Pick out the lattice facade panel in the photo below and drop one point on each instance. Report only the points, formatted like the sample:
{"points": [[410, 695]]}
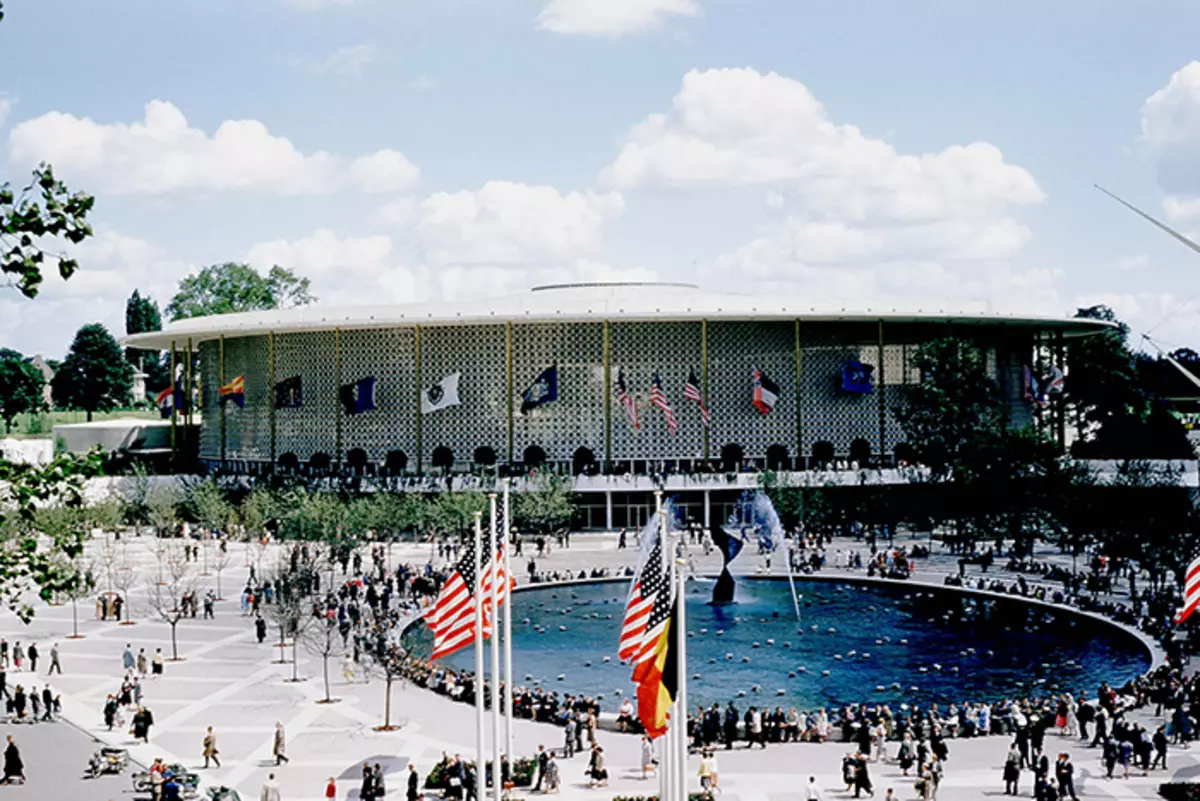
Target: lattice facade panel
{"points": [[640, 349], [479, 352], [734, 350], [828, 412], [210, 422], [576, 419], [312, 428], [387, 355], [248, 430]]}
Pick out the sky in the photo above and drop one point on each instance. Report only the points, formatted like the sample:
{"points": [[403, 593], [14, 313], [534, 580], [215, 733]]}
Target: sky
{"points": [[865, 154]]}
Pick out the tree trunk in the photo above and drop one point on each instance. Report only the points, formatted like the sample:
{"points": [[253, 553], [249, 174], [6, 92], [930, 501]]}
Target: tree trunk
{"points": [[89, 415], [325, 673], [174, 643], [387, 704], [295, 661]]}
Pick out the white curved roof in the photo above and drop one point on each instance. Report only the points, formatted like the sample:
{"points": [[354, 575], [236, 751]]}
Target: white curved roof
{"points": [[575, 303]]}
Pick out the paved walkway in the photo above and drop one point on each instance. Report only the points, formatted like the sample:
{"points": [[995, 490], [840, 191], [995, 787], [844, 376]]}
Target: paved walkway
{"points": [[229, 681]]}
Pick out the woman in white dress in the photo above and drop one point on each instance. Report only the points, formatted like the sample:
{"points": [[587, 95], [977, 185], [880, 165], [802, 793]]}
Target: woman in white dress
{"points": [[649, 763]]}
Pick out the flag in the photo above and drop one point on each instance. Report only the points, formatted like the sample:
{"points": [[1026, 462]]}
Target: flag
{"points": [[1057, 380], [358, 397], [658, 399], [621, 390], [441, 395], [452, 616], [289, 393], [543, 390], [1191, 592], [165, 403], [1035, 392], [234, 391], [653, 672], [638, 605], [691, 392], [766, 392], [856, 377]]}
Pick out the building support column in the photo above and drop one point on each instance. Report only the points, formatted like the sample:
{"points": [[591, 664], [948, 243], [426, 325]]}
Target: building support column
{"points": [[704, 384], [508, 346], [608, 517], [176, 391], [608, 454], [189, 393], [420, 394], [799, 410], [271, 404], [1060, 401], [221, 383], [707, 509], [882, 401], [337, 418]]}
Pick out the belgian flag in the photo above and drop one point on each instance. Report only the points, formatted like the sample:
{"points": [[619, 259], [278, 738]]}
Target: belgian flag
{"points": [[656, 672]]}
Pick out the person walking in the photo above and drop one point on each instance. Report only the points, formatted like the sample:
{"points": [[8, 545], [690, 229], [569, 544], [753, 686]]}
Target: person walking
{"points": [[33, 657], [377, 778], [143, 719], [812, 790], [18, 656], [1064, 771], [14, 766], [143, 664], [862, 776], [414, 784], [1012, 771], [127, 660], [157, 664], [47, 703], [1160, 748], [279, 746], [270, 790], [210, 748], [649, 763], [366, 790], [54, 663]]}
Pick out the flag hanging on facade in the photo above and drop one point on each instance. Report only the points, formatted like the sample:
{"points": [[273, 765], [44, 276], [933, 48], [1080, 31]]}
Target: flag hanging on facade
{"points": [[658, 399], [543, 390], [856, 377], [1191, 592], [289, 393], [691, 392], [165, 402], [656, 683], [234, 391], [1035, 390], [358, 397], [441, 395], [1057, 381], [766, 392], [627, 401]]}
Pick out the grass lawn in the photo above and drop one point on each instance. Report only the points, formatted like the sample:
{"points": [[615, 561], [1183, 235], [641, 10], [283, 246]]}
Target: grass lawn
{"points": [[41, 426]]}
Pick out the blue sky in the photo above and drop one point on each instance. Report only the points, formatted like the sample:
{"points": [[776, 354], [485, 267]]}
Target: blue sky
{"points": [[873, 154]]}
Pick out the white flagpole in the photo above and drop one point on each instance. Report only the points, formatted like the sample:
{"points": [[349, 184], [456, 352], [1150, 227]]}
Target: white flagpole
{"points": [[681, 674], [480, 683], [508, 613], [665, 752], [493, 542]]}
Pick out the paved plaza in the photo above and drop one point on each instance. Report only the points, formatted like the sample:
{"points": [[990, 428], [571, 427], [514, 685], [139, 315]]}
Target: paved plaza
{"points": [[227, 680]]}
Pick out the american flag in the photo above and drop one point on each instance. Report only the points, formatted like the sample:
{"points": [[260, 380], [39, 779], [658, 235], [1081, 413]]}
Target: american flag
{"points": [[641, 603], [691, 392], [1191, 592], [452, 616], [621, 390], [658, 399]]}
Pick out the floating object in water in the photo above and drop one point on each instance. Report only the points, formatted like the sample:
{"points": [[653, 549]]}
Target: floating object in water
{"points": [[525, 622], [704, 631], [741, 694], [970, 650], [695, 675], [745, 659], [787, 644], [528, 677], [737, 620], [712, 661], [720, 632], [801, 669], [954, 669], [879, 688], [851, 652], [831, 630], [587, 664], [729, 656], [791, 674], [895, 685], [562, 628], [781, 691], [753, 645], [618, 692], [824, 672], [914, 689], [600, 697], [814, 628], [936, 666], [756, 688], [904, 642], [837, 657], [865, 656], [922, 669], [879, 642], [608, 617], [607, 659], [691, 634], [770, 642], [562, 676]]}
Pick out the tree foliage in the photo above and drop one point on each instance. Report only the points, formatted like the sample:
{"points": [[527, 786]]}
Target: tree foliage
{"points": [[548, 505], [142, 315], [21, 388], [44, 209], [94, 376], [230, 288]]}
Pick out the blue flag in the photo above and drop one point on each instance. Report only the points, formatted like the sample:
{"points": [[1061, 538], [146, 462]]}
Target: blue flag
{"points": [[856, 377], [543, 390], [359, 397]]}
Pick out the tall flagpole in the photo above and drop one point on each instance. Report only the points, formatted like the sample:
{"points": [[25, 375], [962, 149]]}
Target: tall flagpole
{"points": [[508, 613], [480, 683], [681, 673], [666, 779], [493, 544]]}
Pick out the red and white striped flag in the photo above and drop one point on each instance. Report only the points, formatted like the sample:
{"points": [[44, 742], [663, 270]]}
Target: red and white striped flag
{"points": [[1191, 591], [658, 399], [627, 401], [691, 392], [452, 616]]}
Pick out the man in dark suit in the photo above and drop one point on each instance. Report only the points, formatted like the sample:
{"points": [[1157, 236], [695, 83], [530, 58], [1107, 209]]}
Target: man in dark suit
{"points": [[414, 783]]}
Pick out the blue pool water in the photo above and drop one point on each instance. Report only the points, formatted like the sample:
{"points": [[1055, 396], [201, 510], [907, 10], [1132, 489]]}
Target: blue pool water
{"points": [[918, 645]]}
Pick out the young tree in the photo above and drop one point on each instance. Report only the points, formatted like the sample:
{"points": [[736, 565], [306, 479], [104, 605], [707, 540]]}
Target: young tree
{"points": [[133, 490], [385, 659], [162, 509], [44, 210], [66, 574], [94, 376], [209, 505], [166, 596], [323, 640], [124, 578], [229, 288], [547, 506], [221, 561], [21, 390]]}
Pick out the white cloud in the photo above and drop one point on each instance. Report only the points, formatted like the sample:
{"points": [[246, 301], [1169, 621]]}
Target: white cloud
{"points": [[1171, 133], [162, 154], [343, 270], [6, 107], [1133, 264], [612, 17], [346, 60], [511, 223]]}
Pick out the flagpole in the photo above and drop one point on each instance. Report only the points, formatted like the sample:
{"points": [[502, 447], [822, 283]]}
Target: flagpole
{"points": [[493, 543], [667, 752], [681, 672], [508, 613], [480, 684]]}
